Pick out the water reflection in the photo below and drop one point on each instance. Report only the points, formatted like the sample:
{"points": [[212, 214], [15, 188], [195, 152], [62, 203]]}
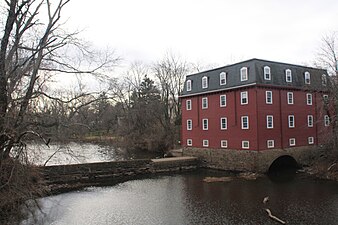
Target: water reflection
{"points": [[74, 153], [186, 199]]}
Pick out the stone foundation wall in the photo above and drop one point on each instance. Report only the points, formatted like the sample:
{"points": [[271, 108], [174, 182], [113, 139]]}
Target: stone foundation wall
{"points": [[69, 177], [240, 160]]}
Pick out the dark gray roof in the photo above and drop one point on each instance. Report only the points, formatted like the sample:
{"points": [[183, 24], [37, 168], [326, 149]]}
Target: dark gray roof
{"points": [[255, 76]]}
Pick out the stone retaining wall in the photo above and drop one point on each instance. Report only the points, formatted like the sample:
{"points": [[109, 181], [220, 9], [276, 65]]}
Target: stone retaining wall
{"points": [[67, 177], [243, 160]]}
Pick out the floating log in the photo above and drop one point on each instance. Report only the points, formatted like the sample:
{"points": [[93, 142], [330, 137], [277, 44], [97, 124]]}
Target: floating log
{"points": [[265, 200], [217, 179], [274, 217]]}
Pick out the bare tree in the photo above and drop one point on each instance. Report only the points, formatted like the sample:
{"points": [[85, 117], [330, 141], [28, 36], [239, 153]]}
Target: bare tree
{"points": [[171, 72], [327, 58], [32, 49], [34, 46]]}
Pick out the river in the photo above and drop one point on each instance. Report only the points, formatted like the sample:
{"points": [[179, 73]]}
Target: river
{"points": [[186, 199]]}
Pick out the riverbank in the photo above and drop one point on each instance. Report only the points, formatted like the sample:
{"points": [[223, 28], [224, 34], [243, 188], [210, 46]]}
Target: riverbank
{"points": [[325, 168]]}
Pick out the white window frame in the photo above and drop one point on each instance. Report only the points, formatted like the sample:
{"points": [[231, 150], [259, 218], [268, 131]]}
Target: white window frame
{"points": [[325, 98], [289, 96], [222, 78], [268, 99], [326, 121], [188, 105], [268, 125], [204, 102], [189, 124], [221, 102], [310, 120], [243, 122], [288, 76], [189, 142], [310, 140], [292, 142], [189, 86], [244, 73], [205, 124], [307, 78], [324, 80], [308, 99], [205, 143], [267, 73], [244, 96], [292, 123], [270, 143], [224, 121], [245, 144], [204, 82], [224, 144]]}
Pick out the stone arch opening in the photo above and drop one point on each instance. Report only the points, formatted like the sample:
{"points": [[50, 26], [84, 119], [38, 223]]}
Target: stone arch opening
{"points": [[283, 168]]}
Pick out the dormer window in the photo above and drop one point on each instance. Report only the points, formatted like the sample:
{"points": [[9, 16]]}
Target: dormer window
{"points": [[307, 78], [288, 76], [267, 73], [244, 73], [223, 78], [324, 80], [188, 85], [205, 82]]}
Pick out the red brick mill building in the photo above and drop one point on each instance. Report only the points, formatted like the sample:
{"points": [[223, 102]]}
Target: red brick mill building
{"points": [[255, 105]]}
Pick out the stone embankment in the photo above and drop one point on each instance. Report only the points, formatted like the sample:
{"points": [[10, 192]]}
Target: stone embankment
{"points": [[62, 178]]}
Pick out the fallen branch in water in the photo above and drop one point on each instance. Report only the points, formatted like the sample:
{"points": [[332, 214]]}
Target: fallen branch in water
{"points": [[217, 179], [274, 217]]}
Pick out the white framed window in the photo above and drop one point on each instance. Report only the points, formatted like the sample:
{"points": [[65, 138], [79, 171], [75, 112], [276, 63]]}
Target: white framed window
{"points": [[224, 123], [224, 143], [325, 98], [245, 122], [291, 119], [189, 142], [204, 102], [268, 97], [310, 121], [244, 73], [292, 141], [288, 76], [267, 73], [244, 98], [270, 143], [324, 80], [223, 78], [269, 121], [290, 98], [205, 143], [326, 120], [222, 100], [189, 86], [310, 140], [188, 104], [307, 78], [205, 82], [245, 144], [309, 99], [189, 124], [205, 124]]}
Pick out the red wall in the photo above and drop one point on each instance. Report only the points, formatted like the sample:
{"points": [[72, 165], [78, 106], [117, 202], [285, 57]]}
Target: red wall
{"points": [[257, 110]]}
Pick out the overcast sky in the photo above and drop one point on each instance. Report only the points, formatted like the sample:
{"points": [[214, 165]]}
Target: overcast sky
{"points": [[210, 31]]}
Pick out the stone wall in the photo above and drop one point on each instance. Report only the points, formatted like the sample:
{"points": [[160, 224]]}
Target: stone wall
{"points": [[240, 160], [67, 177]]}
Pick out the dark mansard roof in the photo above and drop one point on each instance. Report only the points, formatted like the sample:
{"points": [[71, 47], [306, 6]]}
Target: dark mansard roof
{"points": [[255, 69]]}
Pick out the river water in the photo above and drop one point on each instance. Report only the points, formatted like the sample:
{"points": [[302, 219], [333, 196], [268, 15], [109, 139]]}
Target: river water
{"points": [[187, 199]]}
